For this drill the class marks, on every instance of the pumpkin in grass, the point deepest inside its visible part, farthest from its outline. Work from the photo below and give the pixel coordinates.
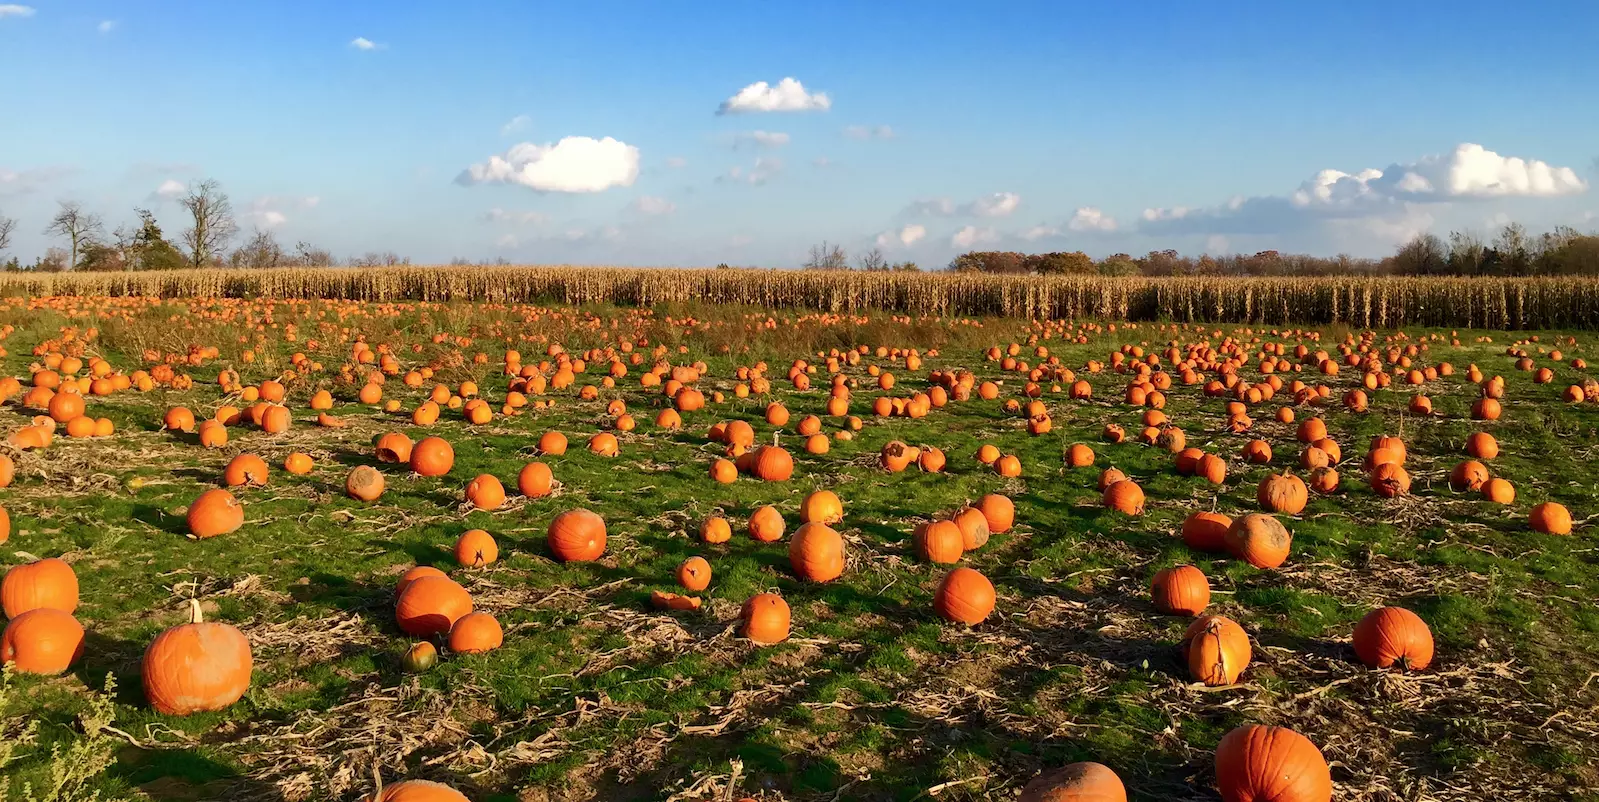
(42, 641)
(1008, 465)
(1216, 649)
(1282, 492)
(930, 460)
(897, 456)
(816, 552)
(417, 791)
(8, 471)
(552, 443)
(299, 464)
(196, 667)
(766, 524)
(245, 470)
(1482, 445)
(178, 419)
(420, 657)
(215, 512)
(535, 480)
(213, 434)
(1324, 480)
(773, 464)
(1211, 468)
(939, 542)
(1391, 636)
(430, 605)
(394, 447)
(485, 492)
(1257, 452)
(364, 483)
(577, 536)
(47, 583)
(724, 471)
(716, 530)
(965, 596)
(413, 574)
(1550, 518)
(1485, 409)
(1389, 480)
(1260, 540)
(765, 619)
(1079, 456)
(1076, 782)
(822, 506)
(1206, 531)
(1000, 512)
(476, 633)
(987, 453)
(476, 548)
(1256, 763)
(1499, 491)
(432, 456)
(1180, 590)
(694, 573)
(1125, 497)
(1187, 460)
(1469, 475)
(974, 528)
(1110, 476)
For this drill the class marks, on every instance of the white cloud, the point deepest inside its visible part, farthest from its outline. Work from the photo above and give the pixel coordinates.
(28, 181)
(787, 95)
(998, 204)
(170, 189)
(932, 207)
(676, 162)
(972, 235)
(267, 211)
(653, 206)
(1039, 232)
(498, 215)
(759, 139)
(1089, 218)
(907, 236)
(1381, 201)
(363, 43)
(517, 123)
(106, 26)
(865, 132)
(765, 168)
(11, 10)
(574, 164)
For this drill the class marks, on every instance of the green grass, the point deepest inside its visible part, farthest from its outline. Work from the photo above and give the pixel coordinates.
(595, 695)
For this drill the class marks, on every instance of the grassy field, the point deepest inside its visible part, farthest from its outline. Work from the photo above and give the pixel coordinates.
(596, 695)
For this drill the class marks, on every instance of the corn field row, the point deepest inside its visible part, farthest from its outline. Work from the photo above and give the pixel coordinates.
(1387, 302)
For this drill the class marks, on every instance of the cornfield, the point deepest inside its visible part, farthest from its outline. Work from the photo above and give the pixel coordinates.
(1485, 303)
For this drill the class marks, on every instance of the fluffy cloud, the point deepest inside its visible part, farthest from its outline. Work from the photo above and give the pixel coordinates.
(787, 95)
(865, 132)
(517, 123)
(170, 190)
(574, 164)
(997, 204)
(1090, 218)
(363, 43)
(972, 235)
(652, 206)
(760, 139)
(268, 211)
(765, 169)
(12, 10)
(907, 236)
(1039, 232)
(1385, 199)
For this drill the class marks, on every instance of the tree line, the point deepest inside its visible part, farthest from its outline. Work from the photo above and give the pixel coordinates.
(207, 241)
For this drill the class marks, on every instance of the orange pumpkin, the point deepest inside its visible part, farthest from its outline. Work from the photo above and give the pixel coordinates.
(1180, 590)
(816, 552)
(1206, 531)
(965, 596)
(42, 641)
(1076, 782)
(475, 633)
(485, 492)
(822, 506)
(939, 542)
(1260, 540)
(766, 524)
(1282, 492)
(577, 536)
(476, 548)
(1217, 650)
(1393, 636)
(47, 583)
(298, 463)
(394, 447)
(196, 667)
(695, 573)
(430, 605)
(1549, 518)
(765, 619)
(215, 512)
(1125, 497)
(1255, 763)
(535, 480)
(364, 483)
(1000, 512)
(432, 456)
(716, 530)
(245, 470)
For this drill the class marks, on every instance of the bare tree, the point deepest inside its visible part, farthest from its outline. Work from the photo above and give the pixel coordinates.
(827, 257)
(261, 251)
(873, 261)
(213, 226)
(80, 228)
(308, 255)
(7, 225)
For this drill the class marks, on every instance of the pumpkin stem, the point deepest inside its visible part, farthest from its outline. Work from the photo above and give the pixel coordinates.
(195, 616)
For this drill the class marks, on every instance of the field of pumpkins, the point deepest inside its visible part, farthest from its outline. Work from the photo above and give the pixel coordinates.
(417, 552)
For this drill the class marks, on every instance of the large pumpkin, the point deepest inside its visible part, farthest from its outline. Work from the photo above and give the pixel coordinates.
(823, 507)
(432, 456)
(475, 633)
(1180, 590)
(1256, 763)
(1259, 539)
(215, 512)
(773, 464)
(476, 548)
(817, 552)
(48, 583)
(577, 536)
(1206, 531)
(1282, 492)
(42, 641)
(1216, 649)
(418, 791)
(1550, 518)
(196, 667)
(765, 619)
(965, 596)
(1000, 512)
(430, 605)
(766, 524)
(1077, 782)
(939, 542)
(1393, 636)
(1125, 497)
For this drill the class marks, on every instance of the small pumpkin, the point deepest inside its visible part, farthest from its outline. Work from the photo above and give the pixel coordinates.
(577, 536)
(816, 552)
(475, 633)
(766, 524)
(42, 641)
(476, 548)
(965, 596)
(394, 447)
(1391, 636)
(420, 657)
(765, 619)
(1125, 497)
(47, 583)
(694, 573)
(432, 456)
(823, 507)
(245, 470)
(485, 492)
(1000, 512)
(215, 512)
(364, 483)
(974, 528)
(1260, 540)
(1206, 531)
(939, 542)
(1550, 518)
(417, 791)
(716, 530)
(535, 480)
(1469, 475)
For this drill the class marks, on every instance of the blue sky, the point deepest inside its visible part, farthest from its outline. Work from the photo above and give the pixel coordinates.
(946, 126)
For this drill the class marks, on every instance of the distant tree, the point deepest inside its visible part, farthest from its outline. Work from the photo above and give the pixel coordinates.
(1119, 264)
(1578, 253)
(1466, 253)
(80, 228)
(1512, 251)
(1163, 263)
(906, 267)
(827, 256)
(260, 251)
(872, 261)
(1423, 255)
(98, 256)
(212, 224)
(308, 255)
(53, 261)
(150, 249)
(7, 226)
(1060, 264)
(378, 259)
